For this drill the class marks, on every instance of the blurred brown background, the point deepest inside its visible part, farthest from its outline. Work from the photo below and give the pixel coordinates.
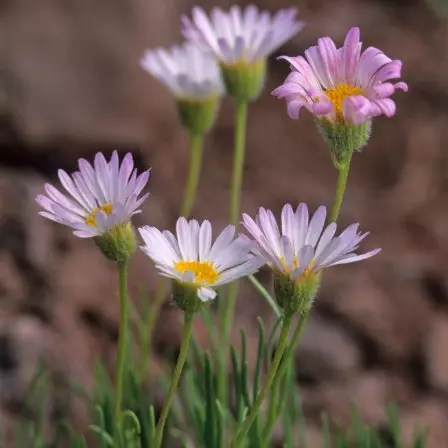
(70, 84)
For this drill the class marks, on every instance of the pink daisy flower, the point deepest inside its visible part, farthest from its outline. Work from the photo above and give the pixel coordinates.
(97, 198)
(303, 245)
(342, 84)
(190, 257)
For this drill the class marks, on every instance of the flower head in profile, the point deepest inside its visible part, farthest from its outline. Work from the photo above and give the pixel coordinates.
(97, 198)
(194, 78)
(241, 40)
(241, 37)
(192, 260)
(342, 85)
(303, 246)
(300, 249)
(188, 71)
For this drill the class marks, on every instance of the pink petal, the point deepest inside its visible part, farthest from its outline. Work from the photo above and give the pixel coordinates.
(370, 62)
(294, 106)
(391, 70)
(301, 65)
(288, 89)
(378, 91)
(356, 109)
(330, 58)
(322, 107)
(402, 86)
(387, 106)
(350, 55)
(316, 62)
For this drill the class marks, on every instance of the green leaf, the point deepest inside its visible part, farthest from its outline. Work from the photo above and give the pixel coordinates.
(326, 431)
(105, 438)
(210, 419)
(394, 425)
(260, 357)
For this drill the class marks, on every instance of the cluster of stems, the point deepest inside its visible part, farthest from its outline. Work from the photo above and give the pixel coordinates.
(187, 205)
(197, 144)
(228, 305)
(286, 347)
(286, 344)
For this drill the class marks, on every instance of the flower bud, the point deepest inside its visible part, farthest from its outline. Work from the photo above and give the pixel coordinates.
(244, 81)
(343, 138)
(295, 296)
(118, 244)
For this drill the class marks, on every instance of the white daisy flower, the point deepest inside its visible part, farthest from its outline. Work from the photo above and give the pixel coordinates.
(302, 247)
(187, 70)
(99, 198)
(241, 36)
(191, 258)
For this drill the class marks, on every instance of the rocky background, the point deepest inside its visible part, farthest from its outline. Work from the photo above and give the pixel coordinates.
(70, 84)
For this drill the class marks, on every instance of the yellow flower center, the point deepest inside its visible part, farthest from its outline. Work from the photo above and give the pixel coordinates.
(91, 219)
(295, 265)
(204, 271)
(338, 93)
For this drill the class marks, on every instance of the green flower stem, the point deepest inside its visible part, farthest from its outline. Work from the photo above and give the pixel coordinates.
(194, 171)
(122, 340)
(263, 291)
(186, 336)
(340, 188)
(281, 347)
(273, 415)
(238, 160)
(228, 306)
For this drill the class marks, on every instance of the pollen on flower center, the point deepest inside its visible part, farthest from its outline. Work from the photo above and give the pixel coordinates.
(338, 93)
(204, 271)
(308, 271)
(91, 219)
(287, 267)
